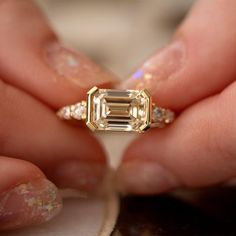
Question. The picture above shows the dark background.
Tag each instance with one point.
(210, 212)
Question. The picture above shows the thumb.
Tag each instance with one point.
(198, 63)
(198, 149)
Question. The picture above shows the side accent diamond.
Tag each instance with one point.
(158, 114)
(161, 116)
(78, 111)
(64, 113)
(169, 116)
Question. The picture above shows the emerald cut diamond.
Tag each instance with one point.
(118, 110)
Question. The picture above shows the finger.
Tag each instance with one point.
(197, 150)
(198, 63)
(31, 131)
(26, 196)
(32, 59)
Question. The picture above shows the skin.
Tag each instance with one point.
(198, 149)
(33, 141)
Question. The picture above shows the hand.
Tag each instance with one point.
(37, 76)
(196, 75)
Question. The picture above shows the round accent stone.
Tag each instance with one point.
(78, 111)
(158, 114)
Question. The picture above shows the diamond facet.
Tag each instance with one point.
(118, 110)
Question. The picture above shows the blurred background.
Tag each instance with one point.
(119, 34)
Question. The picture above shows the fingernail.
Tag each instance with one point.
(144, 178)
(81, 175)
(162, 66)
(75, 67)
(28, 204)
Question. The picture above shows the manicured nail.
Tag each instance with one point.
(28, 204)
(144, 178)
(163, 66)
(84, 176)
(76, 68)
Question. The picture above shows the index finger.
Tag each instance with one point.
(33, 59)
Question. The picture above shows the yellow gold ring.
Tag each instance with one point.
(118, 110)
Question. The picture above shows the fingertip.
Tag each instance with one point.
(198, 62)
(140, 171)
(23, 171)
(26, 196)
(144, 177)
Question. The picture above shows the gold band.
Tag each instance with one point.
(118, 110)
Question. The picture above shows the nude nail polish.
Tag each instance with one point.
(75, 67)
(162, 66)
(81, 175)
(28, 204)
(144, 177)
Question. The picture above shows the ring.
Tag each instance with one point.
(118, 110)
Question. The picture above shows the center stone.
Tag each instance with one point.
(118, 110)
